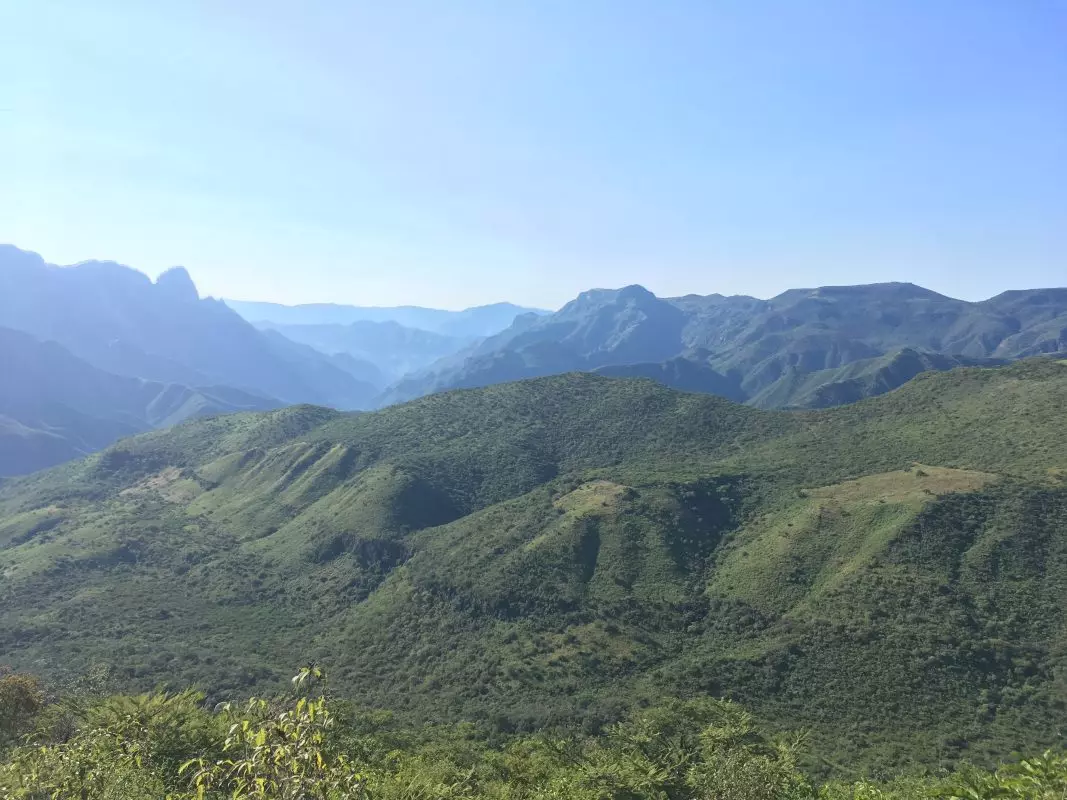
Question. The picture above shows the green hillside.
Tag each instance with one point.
(888, 575)
(825, 388)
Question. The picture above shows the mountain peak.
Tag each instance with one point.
(601, 296)
(635, 291)
(890, 290)
(177, 283)
(14, 257)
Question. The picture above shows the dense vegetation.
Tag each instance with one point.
(309, 745)
(549, 555)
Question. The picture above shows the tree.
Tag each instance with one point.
(20, 700)
(279, 755)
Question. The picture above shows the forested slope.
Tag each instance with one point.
(888, 575)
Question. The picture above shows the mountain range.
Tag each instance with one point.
(806, 348)
(125, 353)
(396, 340)
(887, 575)
(118, 320)
(843, 507)
(393, 349)
(470, 323)
(788, 351)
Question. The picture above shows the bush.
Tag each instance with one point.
(20, 700)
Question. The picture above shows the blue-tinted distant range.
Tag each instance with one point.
(470, 322)
(96, 351)
(456, 154)
(397, 340)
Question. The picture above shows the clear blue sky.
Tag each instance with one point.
(455, 152)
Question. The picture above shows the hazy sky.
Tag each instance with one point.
(455, 152)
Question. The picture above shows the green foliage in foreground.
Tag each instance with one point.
(170, 745)
(549, 556)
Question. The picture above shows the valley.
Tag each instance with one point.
(533, 401)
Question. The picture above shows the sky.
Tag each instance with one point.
(456, 152)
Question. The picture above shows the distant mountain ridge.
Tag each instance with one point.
(118, 320)
(805, 348)
(393, 349)
(754, 350)
(98, 351)
(471, 323)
